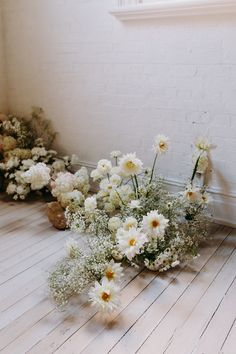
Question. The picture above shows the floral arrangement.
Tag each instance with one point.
(131, 219)
(28, 164)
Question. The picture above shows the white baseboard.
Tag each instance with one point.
(223, 205)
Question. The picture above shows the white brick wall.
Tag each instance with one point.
(2, 67)
(108, 84)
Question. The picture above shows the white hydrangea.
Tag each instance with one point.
(64, 183)
(67, 198)
(58, 166)
(38, 176)
(38, 152)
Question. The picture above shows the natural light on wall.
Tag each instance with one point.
(141, 9)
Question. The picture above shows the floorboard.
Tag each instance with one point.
(189, 310)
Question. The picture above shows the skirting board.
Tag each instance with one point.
(223, 206)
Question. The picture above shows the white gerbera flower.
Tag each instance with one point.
(105, 296)
(104, 166)
(161, 144)
(113, 272)
(114, 223)
(38, 176)
(90, 204)
(72, 248)
(129, 223)
(115, 154)
(192, 194)
(130, 242)
(203, 144)
(154, 223)
(130, 165)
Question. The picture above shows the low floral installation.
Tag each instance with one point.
(131, 219)
(27, 162)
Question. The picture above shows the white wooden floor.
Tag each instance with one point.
(190, 310)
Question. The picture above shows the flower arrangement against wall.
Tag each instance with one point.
(28, 164)
(131, 219)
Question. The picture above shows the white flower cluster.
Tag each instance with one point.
(132, 218)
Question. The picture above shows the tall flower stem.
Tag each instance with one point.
(120, 197)
(137, 187)
(195, 168)
(153, 168)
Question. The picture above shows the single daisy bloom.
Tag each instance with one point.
(130, 165)
(202, 144)
(106, 185)
(130, 242)
(161, 144)
(205, 198)
(105, 296)
(113, 271)
(115, 180)
(129, 223)
(154, 223)
(192, 194)
(90, 204)
(104, 166)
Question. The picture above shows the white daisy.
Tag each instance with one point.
(129, 223)
(105, 296)
(203, 144)
(104, 166)
(161, 144)
(134, 204)
(115, 180)
(113, 271)
(154, 223)
(130, 242)
(90, 204)
(130, 165)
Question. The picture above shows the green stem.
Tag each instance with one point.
(195, 168)
(137, 188)
(153, 167)
(135, 191)
(120, 197)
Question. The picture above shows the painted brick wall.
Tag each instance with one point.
(107, 84)
(2, 67)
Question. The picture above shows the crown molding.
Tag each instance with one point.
(174, 8)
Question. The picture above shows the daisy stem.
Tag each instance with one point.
(195, 168)
(137, 188)
(153, 167)
(120, 197)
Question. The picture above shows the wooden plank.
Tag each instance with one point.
(44, 324)
(230, 341)
(177, 314)
(188, 335)
(219, 325)
(156, 302)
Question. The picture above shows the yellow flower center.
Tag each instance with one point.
(130, 165)
(110, 274)
(132, 242)
(162, 145)
(155, 223)
(105, 296)
(190, 194)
